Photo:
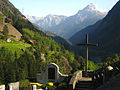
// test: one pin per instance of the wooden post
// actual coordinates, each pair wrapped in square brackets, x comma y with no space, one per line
[86,54]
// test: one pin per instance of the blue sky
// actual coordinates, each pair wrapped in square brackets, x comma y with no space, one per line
[59,7]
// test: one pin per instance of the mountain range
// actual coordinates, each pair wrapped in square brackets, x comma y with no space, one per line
[46,22]
[105,32]
[67,26]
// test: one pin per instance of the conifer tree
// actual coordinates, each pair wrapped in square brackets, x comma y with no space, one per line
[5,30]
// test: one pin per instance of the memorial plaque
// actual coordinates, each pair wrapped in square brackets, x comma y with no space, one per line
[51,73]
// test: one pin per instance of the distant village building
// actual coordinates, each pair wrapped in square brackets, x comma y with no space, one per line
[31,41]
[8,40]
[51,74]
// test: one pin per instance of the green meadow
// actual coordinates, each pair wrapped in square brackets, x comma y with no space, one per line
[14,46]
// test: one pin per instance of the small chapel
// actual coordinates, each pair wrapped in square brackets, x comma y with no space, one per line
[51,74]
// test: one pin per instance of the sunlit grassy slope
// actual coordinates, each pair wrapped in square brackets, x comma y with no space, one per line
[14,46]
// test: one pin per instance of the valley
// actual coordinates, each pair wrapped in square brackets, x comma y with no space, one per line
[44,51]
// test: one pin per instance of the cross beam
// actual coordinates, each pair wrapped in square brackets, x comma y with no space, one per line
[87,45]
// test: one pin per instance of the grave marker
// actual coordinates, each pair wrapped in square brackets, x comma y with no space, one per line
[34,87]
[14,86]
[87,45]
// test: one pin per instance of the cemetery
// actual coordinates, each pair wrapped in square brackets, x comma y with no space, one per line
[80,80]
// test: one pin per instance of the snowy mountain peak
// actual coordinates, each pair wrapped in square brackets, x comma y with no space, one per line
[91,7]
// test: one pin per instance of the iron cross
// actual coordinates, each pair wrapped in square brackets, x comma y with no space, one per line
[87,45]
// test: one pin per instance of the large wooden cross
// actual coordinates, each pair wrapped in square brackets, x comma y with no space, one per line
[87,44]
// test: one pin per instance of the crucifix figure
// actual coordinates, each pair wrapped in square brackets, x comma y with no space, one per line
[87,44]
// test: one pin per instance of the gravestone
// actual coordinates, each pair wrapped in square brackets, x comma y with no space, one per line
[51,74]
[14,86]
[10,87]
[34,87]
[2,87]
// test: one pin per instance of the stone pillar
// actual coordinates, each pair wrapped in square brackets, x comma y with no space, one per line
[108,73]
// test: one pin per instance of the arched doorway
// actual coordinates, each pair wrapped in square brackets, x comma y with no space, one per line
[51,73]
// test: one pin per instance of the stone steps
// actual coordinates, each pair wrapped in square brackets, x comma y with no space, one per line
[84,84]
